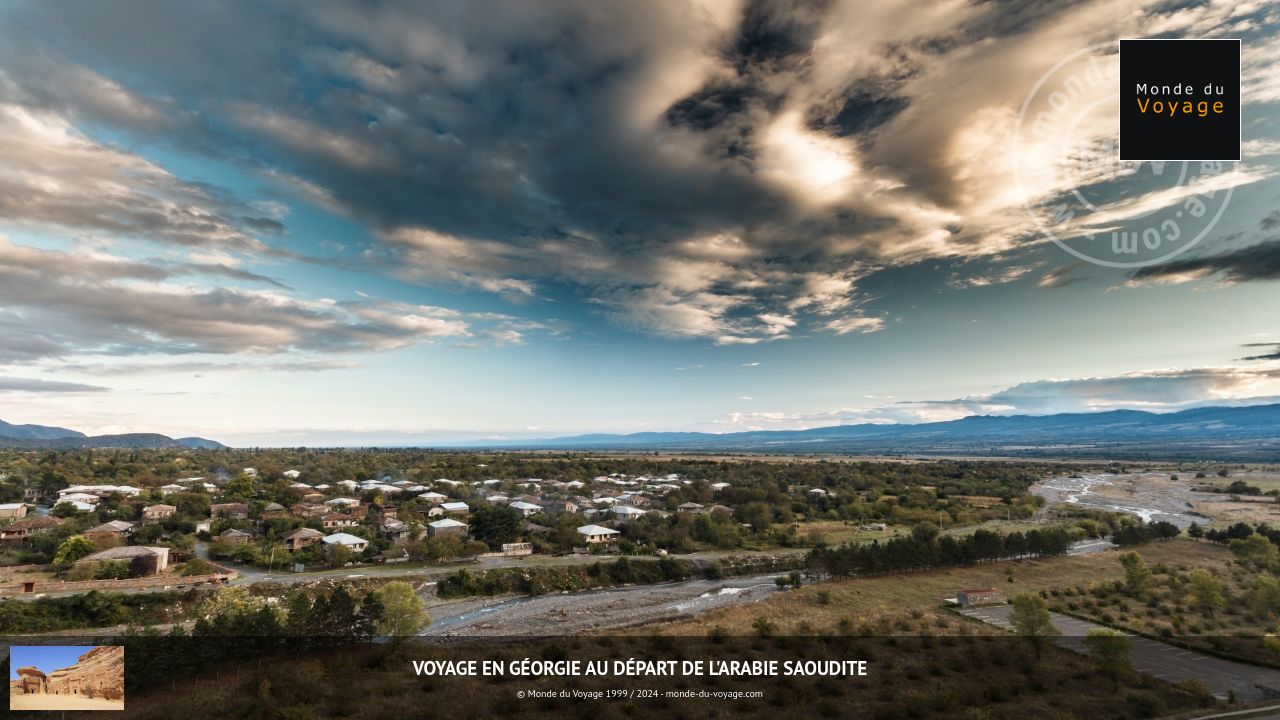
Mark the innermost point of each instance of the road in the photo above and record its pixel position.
(564, 614)
(1167, 662)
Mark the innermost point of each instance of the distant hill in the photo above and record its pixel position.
(36, 432)
(1240, 433)
(41, 437)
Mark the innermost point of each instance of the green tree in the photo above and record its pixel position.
(72, 549)
(1137, 576)
(1109, 653)
(1031, 619)
(1264, 599)
(403, 612)
(1206, 591)
(1255, 552)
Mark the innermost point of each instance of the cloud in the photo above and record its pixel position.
(1156, 391)
(86, 303)
(1252, 263)
(53, 175)
(721, 170)
(33, 385)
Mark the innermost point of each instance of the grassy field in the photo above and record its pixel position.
(915, 600)
(1167, 609)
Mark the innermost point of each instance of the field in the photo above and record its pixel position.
(915, 600)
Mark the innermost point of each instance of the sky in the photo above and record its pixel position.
(45, 658)
(393, 222)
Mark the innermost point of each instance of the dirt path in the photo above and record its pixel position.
(62, 702)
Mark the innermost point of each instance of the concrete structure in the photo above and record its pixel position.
(13, 511)
(980, 596)
(147, 560)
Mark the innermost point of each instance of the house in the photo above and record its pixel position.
(817, 492)
(273, 510)
(171, 488)
(337, 520)
(447, 526)
(114, 530)
(20, 530)
(356, 544)
(100, 490)
(689, 507)
(232, 536)
(717, 487)
(434, 498)
(81, 498)
(152, 513)
(455, 508)
(342, 502)
(229, 510)
(308, 510)
(596, 534)
(144, 560)
(394, 530)
(980, 596)
(626, 513)
(301, 538)
(561, 506)
(292, 474)
(13, 510)
(525, 508)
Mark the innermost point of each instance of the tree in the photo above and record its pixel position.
(495, 525)
(72, 549)
(925, 532)
(1109, 653)
(1195, 531)
(1206, 591)
(403, 612)
(1031, 619)
(1255, 552)
(1137, 576)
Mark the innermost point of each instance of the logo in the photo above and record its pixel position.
(1101, 209)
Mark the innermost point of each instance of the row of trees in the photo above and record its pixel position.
(924, 549)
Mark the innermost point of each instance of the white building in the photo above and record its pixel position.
(526, 509)
(356, 544)
(594, 534)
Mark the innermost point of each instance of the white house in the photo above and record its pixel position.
(455, 508)
(526, 508)
(356, 544)
(292, 474)
(171, 488)
(594, 534)
(625, 513)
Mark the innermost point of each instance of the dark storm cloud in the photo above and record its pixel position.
(1272, 351)
(1248, 264)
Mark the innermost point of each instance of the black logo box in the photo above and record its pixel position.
(1185, 67)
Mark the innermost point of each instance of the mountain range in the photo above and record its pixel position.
(40, 437)
(1251, 432)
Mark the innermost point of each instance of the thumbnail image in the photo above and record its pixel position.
(66, 677)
